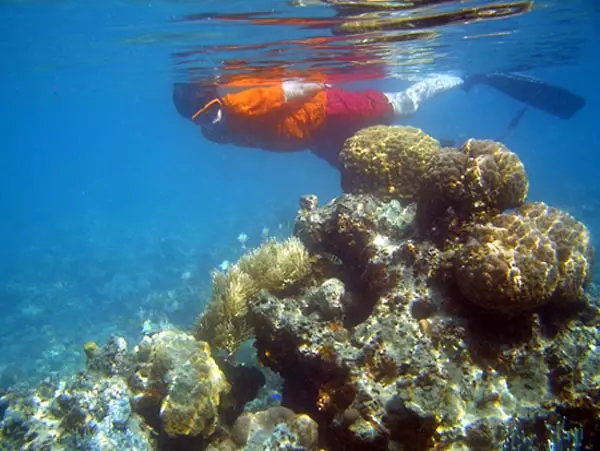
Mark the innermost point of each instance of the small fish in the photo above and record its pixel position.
(265, 233)
(333, 258)
(147, 327)
(275, 397)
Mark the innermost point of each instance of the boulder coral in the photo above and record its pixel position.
(276, 428)
(481, 177)
(507, 264)
(386, 160)
(521, 261)
(496, 177)
(573, 244)
(178, 374)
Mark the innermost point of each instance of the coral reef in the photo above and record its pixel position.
(505, 262)
(91, 410)
(415, 363)
(412, 312)
(273, 266)
(394, 338)
(167, 393)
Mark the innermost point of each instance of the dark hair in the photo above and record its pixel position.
(190, 97)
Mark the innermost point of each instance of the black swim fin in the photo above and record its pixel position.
(512, 125)
(533, 92)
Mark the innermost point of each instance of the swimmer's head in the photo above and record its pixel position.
(191, 97)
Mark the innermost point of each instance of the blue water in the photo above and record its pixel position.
(114, 210)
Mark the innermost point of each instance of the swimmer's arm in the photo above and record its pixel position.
(262, 101)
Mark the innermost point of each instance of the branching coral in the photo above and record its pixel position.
(559, 437)
(272, 267)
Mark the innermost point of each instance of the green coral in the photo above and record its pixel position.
(272, 267)
(387, 161)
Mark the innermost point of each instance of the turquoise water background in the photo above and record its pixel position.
(114, 209)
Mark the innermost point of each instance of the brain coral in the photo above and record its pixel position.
(481, 176)
(442, 185)
(507, 265)
(496, 176)
(387, 161)
(572, 242)
(520, 261)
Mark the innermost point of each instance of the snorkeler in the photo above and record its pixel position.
(295, 115)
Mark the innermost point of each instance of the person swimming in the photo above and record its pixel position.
(294, 115)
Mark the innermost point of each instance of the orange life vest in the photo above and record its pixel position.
(262, 117)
